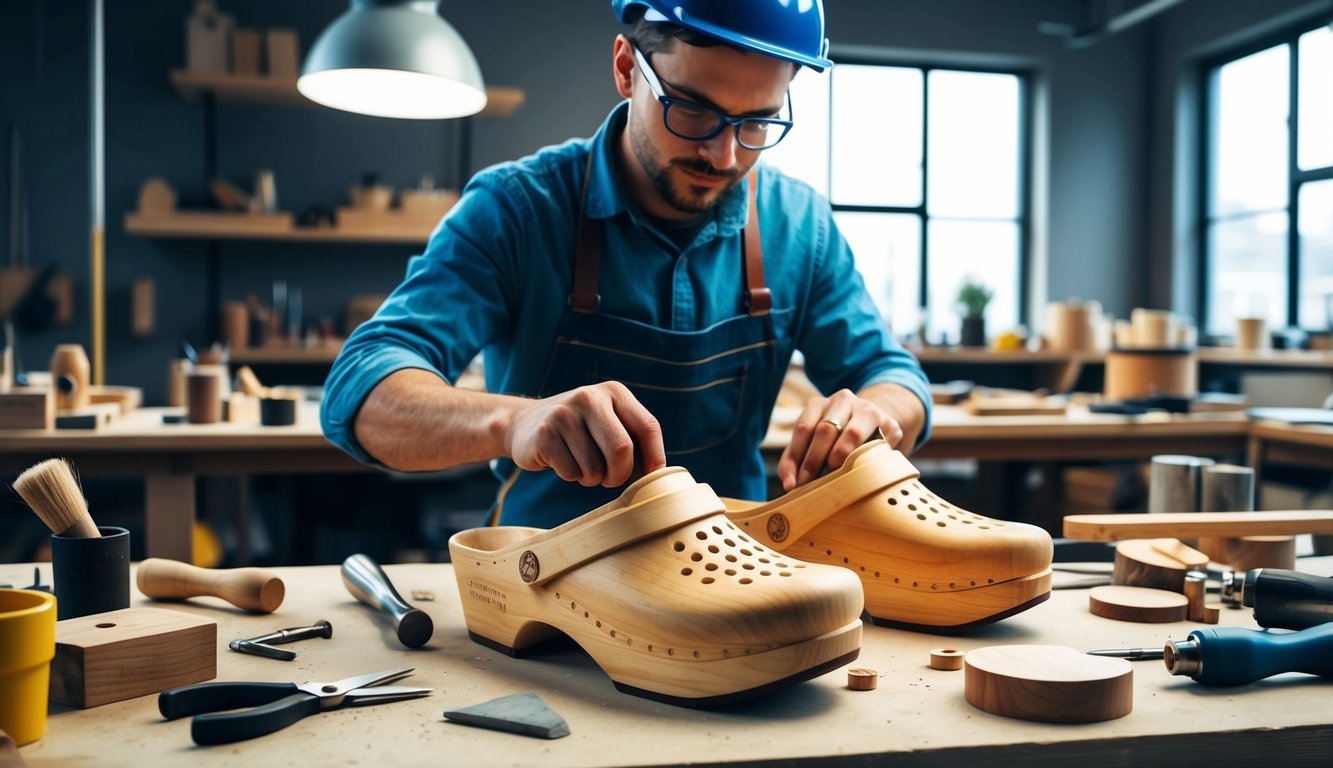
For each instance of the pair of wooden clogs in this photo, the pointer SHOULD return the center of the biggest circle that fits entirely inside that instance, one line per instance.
(681, 597)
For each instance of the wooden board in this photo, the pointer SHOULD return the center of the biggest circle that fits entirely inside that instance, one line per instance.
(1141, 604)
(132, 652)
(1016, 405)
(1048, 683)
(1118, 527)
(125, 398)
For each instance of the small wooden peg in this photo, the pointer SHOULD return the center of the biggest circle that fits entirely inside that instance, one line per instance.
(862, 679)
(949, 659)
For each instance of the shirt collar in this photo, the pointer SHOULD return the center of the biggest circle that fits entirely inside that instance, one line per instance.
(606, 193)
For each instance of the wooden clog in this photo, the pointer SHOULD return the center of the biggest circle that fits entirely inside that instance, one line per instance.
(925, 564)
(669, 598)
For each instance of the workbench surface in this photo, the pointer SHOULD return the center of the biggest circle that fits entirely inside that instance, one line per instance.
(918, 716)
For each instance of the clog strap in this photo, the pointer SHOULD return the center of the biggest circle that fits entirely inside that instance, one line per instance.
(548, 555)
(787, 519)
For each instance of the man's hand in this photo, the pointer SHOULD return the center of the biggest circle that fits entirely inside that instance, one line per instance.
(828, 430)
(586, 435)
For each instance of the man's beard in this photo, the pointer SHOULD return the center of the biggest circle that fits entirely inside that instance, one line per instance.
(691, 199)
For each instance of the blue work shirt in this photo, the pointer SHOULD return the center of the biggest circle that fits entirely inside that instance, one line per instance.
(498, 270)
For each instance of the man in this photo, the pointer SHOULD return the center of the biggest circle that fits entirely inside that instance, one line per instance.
(638, 296)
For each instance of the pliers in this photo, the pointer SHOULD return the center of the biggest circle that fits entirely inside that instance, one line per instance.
(273, 706)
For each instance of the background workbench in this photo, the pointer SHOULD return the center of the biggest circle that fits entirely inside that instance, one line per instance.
(917, 717)
(169, 457)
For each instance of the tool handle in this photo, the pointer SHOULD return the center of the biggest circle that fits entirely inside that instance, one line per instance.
(208, 730)
(367, 582)
(253, 589)
(1288, 599)
(1237, 656)
(218, 697)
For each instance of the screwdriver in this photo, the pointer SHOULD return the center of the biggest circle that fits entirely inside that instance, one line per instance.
(1282, 599)
(1237, 656)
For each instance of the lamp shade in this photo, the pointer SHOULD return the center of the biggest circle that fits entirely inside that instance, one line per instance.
(393, 59)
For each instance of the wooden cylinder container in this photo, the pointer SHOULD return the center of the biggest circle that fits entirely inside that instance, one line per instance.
(1134, 373)
(203, 399)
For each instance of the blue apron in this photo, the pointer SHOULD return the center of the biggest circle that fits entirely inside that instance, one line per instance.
(711, 390)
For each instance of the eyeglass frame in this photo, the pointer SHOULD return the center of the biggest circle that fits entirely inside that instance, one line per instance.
(724, 120)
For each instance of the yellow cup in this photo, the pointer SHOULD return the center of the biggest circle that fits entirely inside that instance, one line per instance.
(28, 640)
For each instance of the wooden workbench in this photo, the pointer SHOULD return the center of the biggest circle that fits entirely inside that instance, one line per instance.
(917, 717)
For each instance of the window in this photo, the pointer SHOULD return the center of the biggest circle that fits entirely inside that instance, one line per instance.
(925, 170)
(1268, 210)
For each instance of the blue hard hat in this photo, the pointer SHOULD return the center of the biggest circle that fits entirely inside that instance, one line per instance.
(792, 30)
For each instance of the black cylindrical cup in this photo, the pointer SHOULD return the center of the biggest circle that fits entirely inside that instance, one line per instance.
(91, 575)
(277, 411)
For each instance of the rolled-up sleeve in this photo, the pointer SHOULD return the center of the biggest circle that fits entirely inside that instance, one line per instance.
(845, 341)
(454, 300)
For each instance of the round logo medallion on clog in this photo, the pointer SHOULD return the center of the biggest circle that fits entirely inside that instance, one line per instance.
(528, 567)
(777, 527)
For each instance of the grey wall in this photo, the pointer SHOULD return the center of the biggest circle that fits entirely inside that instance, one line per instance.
(1103, 214)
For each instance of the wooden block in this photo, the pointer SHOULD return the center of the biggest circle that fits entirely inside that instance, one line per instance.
(1147, 606)
(1212, 613)
(127, 398)
(93, 416)
(143, 307)
(240, 407)
(245, 51)
(1048, 683)
(862, 679)
(1250, 552)
(283, 49)
(947, 659)
(132, 652)
(28, 408)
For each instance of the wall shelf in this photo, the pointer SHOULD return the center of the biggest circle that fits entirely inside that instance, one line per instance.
(253, 89)
(239, 226)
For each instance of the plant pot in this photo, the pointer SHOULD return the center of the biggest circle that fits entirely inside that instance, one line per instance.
(973, 332)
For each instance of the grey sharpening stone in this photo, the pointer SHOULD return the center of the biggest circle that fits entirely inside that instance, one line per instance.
(522, 713)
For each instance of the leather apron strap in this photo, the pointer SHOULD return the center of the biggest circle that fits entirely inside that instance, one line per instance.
(588, 264)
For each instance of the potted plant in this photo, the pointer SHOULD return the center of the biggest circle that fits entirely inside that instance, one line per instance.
(973, 297)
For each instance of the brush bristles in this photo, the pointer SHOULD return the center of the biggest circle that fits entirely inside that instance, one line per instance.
(53, 493)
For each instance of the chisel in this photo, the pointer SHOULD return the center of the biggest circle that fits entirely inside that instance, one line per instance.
(368, 583)
(1237, 656)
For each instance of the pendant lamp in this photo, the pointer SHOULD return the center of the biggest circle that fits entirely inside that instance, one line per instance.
(393, 58)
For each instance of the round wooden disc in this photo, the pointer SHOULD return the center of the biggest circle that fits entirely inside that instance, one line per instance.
(1048, 683)
(862, 679)
(946, 659)
(1149, 606)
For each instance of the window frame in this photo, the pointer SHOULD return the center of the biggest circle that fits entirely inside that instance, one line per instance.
(1296, 178)
(1023, 218)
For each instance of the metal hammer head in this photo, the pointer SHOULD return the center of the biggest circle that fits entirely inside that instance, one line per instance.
(258, 645)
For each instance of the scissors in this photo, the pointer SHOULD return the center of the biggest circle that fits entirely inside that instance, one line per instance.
(273, 706)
